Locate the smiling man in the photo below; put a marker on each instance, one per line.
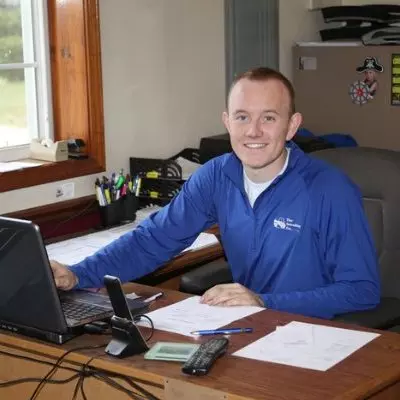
(293, 228)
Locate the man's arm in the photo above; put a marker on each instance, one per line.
(326, 302)
(347, 249)
(159, 238)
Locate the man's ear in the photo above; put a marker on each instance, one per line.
(294, 123)
(225, 120)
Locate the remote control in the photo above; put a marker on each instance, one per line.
(202, 360)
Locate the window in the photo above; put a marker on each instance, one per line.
(75, 86)
(25, 111)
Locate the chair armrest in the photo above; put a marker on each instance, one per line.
(384, 316)
(203, 278)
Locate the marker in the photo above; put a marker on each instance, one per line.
(222, 331)
(152, 298)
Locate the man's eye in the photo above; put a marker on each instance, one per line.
(241, 117)
(269, 118)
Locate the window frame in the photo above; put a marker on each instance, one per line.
(36, 67)
(77, 93)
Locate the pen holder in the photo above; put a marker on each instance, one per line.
(130, 205)
(112, 214)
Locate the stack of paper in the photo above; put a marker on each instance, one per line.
(304, 345)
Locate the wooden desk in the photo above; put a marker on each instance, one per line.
(373, 372)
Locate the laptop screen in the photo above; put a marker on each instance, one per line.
(28, 295)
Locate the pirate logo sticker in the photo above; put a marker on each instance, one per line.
(364, 90)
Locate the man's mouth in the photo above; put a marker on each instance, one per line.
(255, 145)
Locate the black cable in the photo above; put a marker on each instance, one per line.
(129, 380)
(83, 393)
(44, 380)
(81, 373)
(78, 386)
(27, 358)
(139, 317)
(115, 385)
(85, 366)
(87, 371)
(84, 373)
(76, 370)
(27, 380)
(139, 388)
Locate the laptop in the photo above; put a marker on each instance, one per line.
(30, 303)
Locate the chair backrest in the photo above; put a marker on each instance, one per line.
(377, 173)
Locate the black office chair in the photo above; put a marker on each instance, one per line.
(377, 173)
(206, 276)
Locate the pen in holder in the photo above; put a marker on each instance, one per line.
(130, 205)
(112, 214)
(117, 199)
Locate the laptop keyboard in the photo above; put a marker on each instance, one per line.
(74, 310)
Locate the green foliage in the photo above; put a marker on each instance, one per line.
(12, 104)
(10, 22)
(11, 50)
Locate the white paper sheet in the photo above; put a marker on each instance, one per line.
(72, 251)
(305, 345)
(203, 240)
(15, 165)
(188, 167)
(190, 315)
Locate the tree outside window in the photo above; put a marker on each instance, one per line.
(24, 73)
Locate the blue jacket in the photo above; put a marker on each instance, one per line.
(305, 246)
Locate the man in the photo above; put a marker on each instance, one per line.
(293, 228)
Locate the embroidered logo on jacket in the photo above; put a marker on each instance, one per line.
(286, 224)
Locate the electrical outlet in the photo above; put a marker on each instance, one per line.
(65, 191)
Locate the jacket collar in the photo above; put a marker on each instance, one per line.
(233, 167)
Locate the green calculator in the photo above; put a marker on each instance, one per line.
(171, 351)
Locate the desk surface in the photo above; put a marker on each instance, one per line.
(371, 372)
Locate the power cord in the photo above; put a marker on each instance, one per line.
(48, 376)
(138, 317)
(28, 380)
(81, 373)
(87, 371)
(84, 374)
(27, 358)
(115, 385)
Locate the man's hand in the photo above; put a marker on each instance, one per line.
(231, 294)
(64, 278)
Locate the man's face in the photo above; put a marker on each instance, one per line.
(259, 123)
(370, 75)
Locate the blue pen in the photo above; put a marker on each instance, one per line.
(227, 331)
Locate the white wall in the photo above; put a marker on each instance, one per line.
(163, 80)
(296, 24)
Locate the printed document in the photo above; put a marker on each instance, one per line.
(74, 250)
(16, 165)
(190, 315)
(305, 345)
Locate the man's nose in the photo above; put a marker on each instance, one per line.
(254, 129)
